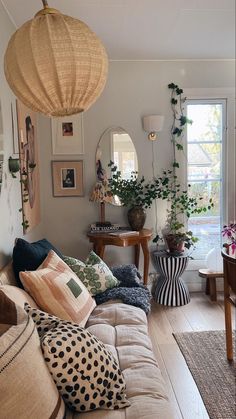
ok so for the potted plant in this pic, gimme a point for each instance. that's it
(229, 233)
(181, 204)
(181, 207)
(135, 193)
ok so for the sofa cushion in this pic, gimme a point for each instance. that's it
(18, 295)
(28, 256)
(85, 372)
(94, 273)
(58, 291)
(27, 388)
(123, 329)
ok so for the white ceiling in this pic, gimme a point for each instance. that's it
(149, 29)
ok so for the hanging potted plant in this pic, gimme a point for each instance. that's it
(134, 193)
(181, 204)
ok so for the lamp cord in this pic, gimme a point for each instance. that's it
(153, 175)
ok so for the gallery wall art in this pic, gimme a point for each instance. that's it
(67, 178)
(67, 135)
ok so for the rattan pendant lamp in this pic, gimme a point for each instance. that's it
(55, 64)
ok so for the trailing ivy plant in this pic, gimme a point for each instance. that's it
(182, 205)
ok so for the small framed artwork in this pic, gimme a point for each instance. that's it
(67, 135)
(67, 178)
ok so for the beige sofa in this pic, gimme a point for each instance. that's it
(123, 329)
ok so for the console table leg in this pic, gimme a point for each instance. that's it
(136, 255)
(146, 257)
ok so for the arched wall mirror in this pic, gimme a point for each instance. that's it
(115, 145)
(1, 148)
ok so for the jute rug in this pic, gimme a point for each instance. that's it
(205, 354)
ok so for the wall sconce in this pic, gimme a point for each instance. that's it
(153, 124)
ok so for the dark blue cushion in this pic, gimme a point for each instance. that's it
(28, 256)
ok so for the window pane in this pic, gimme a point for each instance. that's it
(204, 174)
(207, 122)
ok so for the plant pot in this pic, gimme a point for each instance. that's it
(230, 251)
(136, 218)
(174, 242)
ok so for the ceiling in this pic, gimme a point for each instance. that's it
(149, 29)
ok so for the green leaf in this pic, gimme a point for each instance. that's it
(179, 146)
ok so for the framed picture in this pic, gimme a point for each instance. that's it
(67, 178)
(67, 135)
(29, 166)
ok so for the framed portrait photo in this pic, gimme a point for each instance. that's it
(67, 178)
(67, 135)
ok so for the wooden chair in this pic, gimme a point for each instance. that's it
(229, 288)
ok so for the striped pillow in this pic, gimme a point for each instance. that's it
(27, 388)
(58, 291)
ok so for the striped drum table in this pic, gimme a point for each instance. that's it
(170, 290)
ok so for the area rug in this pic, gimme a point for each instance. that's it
(205, 354)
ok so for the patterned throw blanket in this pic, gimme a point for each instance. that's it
(130, 290)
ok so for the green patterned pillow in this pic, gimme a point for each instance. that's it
(94, 273)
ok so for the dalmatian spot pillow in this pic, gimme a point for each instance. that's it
(94, 273)
(85, 372)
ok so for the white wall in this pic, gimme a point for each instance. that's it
(10, 199)
(133, 90)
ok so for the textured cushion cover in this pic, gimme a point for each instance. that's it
(58, 291)
(94, 273)
(85, 372)
(19, 296)
(28, 256)
(128, 275)
(27, 389)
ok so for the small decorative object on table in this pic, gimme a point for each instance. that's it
(229, 232)
(101, 193)
(170, 290)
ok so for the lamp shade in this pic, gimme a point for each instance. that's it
(55, 64)
(101, 193)
(153, 123)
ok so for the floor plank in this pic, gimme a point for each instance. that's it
(200, 314)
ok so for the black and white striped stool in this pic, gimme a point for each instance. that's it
(170, 290)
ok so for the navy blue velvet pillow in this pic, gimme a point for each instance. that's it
(28, 256)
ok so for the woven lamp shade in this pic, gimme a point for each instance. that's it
(55, 64)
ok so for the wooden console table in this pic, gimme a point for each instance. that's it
(101, 240)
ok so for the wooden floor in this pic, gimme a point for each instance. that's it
(199, 315)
